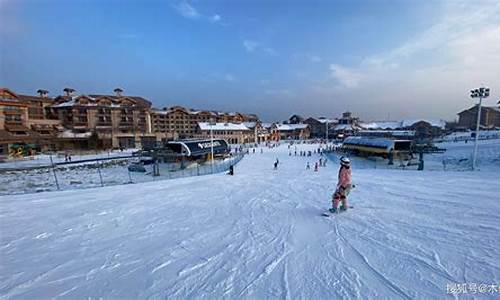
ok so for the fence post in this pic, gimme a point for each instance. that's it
(99, 171)
(54, 171)
(129, 176)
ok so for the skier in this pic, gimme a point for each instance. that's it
(316, 167)
(320, 162)
(308, 166)
(344, 185)
(276, 165)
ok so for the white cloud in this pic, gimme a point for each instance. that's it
(251, 46)
(186, 10)
(428, 75)
(270, 51)
(346, 77)
(215, 18)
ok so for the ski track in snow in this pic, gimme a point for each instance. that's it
(256, 235)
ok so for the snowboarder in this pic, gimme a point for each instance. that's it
(276, 165)
(344, 185)
(308, 166)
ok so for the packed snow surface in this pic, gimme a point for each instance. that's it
(256, 235)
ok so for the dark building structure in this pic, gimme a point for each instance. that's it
(490, 117)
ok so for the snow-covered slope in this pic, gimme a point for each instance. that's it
(255, 235)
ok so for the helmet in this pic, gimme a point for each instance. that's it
(345, 161)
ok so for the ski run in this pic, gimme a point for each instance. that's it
(259, 234)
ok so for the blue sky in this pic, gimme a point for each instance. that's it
(379, 59)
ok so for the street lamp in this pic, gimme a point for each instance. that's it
(478, 93)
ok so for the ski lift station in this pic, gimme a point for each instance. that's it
(383, 147)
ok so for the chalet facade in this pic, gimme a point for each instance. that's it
(116, 121)
(320, 126)
(26, 123)
(490, 117)
(180, 122)
(97, 121)
(290, 132)
(347, 125)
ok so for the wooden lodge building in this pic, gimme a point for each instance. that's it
(27, 123)
(103, 121)
(95, 121)
(490, 117)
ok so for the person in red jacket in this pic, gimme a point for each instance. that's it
(344, 185)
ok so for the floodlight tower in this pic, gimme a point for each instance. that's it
(478, 93)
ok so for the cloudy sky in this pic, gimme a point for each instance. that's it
(379, 59)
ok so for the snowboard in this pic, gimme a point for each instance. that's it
(330, 214)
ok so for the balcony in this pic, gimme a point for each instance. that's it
(11, 111)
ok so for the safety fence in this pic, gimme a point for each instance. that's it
(101, 173)
(455, 158)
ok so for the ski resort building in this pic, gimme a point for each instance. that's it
(234, 133)
(104, 121)
(180, 122)
(320, 126)
(290, 132)
(490, 117)
(26, 123)
(422, 129)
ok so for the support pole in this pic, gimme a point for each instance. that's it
(474, 154)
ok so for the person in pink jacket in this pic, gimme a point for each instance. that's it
(344, 185)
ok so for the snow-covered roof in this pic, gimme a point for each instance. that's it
(436, 123)
(401, 124)
(250, 124)
(73, 103)
(389, 132)
(65, 104)
(286, 127)
(222, 126)
(381, 125)
(343, 127)
(325, 120)
(267, 125)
